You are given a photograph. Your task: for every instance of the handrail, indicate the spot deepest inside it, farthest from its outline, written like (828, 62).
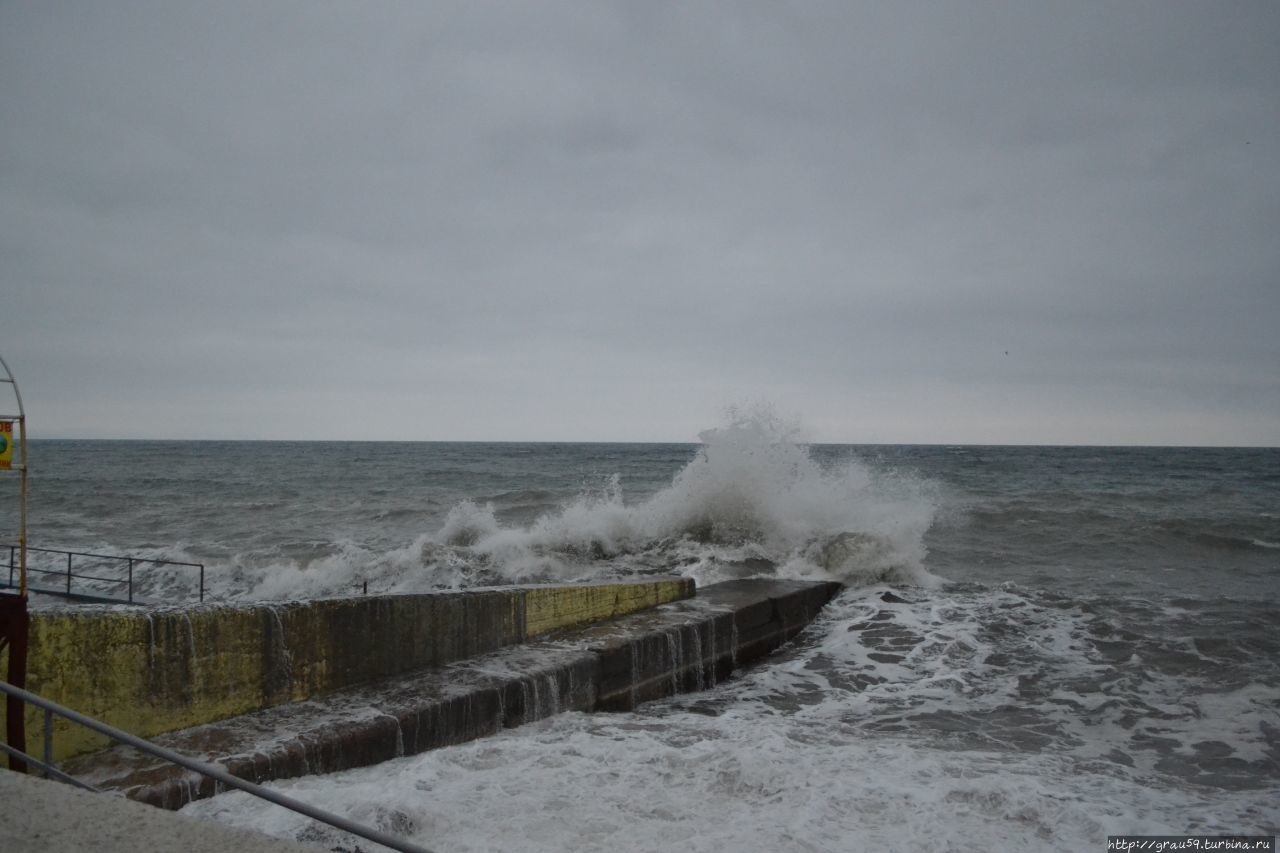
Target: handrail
(69, 575)
(49, 769)
(112, 557)
(212, 772)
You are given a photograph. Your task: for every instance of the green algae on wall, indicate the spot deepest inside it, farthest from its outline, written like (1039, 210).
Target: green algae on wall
(552, 608)
(154, 672)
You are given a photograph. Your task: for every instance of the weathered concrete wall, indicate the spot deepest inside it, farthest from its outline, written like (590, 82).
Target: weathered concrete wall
(688, 645)
(159, 671)
(684, 646)
(551, 608)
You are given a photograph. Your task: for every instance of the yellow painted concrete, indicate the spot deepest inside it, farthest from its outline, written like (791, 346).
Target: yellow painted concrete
(143, 673)
(552, 608)
(154, 672)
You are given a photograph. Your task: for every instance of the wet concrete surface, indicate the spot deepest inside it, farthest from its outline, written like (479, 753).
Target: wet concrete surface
(680, 647)
(156, 670)
(50, 817)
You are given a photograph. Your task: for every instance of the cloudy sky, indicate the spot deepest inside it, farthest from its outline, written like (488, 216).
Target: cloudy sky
(896, 222)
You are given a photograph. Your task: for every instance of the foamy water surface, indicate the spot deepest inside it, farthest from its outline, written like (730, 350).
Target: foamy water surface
(967, 720)
(1036, 646)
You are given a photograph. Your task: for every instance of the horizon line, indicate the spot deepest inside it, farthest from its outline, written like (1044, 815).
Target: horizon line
(657, 442)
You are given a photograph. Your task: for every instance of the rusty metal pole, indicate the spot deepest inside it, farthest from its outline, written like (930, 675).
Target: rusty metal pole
(14, 619)
(22, 490)
(22, 476)
(13, 633)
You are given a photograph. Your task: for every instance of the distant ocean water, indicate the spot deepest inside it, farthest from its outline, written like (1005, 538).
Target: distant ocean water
(1037, 646)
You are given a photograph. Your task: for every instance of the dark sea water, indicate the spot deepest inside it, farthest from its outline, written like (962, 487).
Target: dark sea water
(1079, 641)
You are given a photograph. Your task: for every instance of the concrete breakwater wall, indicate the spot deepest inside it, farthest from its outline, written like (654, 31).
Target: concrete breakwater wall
(150, 672)
(680, 647)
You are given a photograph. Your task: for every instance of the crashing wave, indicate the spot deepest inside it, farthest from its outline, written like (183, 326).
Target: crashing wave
(753, 501)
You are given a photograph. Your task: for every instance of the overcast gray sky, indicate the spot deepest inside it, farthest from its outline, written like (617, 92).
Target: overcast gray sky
(899, 222)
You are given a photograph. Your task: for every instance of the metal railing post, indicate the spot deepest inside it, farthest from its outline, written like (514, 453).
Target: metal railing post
(108, 576)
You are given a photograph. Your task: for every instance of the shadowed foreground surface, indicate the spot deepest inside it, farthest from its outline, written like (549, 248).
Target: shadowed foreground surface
(49, 817)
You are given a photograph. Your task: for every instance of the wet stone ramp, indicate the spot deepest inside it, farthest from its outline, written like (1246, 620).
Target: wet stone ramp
(158, 670)
(679, 647)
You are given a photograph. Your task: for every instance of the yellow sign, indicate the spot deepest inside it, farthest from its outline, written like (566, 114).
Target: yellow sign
(6, 445)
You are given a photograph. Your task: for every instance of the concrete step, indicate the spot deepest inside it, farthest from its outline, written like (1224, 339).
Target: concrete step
(680, 647)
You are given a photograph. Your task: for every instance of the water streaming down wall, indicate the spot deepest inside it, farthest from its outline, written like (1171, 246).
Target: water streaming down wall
(680, 647)
(150, 672)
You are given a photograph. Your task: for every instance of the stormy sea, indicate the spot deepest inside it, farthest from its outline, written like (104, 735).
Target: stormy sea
(1036, 647)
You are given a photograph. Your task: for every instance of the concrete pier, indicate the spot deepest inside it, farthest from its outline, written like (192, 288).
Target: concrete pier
(155, 671)
(678, 647)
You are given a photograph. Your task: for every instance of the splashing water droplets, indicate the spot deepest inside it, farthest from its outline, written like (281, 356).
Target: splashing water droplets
(752, 501)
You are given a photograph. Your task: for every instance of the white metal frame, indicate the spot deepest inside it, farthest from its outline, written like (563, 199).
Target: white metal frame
(21, 418)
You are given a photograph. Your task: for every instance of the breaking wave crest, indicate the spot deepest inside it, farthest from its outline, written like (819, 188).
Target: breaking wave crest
(752, 501)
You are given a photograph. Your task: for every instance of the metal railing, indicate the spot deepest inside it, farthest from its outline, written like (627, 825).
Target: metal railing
(215, 773)
(66, 575)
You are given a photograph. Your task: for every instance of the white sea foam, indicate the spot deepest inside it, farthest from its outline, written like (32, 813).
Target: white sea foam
(695, 783)
(752, 500)
(953, 721)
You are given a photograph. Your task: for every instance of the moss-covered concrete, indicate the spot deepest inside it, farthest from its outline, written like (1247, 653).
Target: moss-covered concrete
(616, 665)
(159, 671)
(551, 608)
